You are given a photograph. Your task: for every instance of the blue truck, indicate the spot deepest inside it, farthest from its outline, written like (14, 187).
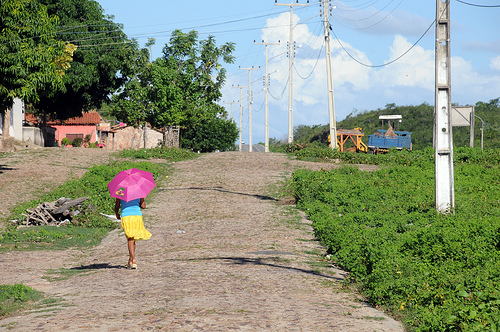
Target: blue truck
(381, 141)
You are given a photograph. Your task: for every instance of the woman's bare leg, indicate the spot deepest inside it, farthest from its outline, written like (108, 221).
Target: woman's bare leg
(131, 250)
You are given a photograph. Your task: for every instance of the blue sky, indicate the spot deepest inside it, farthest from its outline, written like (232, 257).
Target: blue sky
(374, 32)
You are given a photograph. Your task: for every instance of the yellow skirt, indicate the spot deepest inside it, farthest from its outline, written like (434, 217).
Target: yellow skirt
(133, 226)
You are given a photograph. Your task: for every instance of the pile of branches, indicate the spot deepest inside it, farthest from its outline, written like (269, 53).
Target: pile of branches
(54, 213)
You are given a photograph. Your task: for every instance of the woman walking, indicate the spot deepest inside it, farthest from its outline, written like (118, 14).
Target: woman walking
(133, 225)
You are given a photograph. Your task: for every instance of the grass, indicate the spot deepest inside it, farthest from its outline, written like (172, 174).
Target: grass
(64, 274)
(50, 238)
(16, 297)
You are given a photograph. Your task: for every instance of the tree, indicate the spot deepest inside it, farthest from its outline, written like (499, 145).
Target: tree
(210, 135)
(133, 104)
(101, 63)
(187, 79)
(31, 59)
(29, 52)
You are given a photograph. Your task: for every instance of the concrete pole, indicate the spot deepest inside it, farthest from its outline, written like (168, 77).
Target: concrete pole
(266, 143)
(331, 104)
(472, 123)
(231, 103)
(241, 111)
(250, 149)
(290, 69)
(443, 138)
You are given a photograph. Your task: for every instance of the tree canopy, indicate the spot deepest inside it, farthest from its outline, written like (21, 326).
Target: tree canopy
(181, 89)
(101, 63)
(187, 79)
(32, 59)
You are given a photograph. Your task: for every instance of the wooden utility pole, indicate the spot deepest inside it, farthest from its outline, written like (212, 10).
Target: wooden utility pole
(443, 138)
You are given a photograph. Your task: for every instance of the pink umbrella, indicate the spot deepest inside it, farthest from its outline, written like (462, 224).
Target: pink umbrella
(131, 184)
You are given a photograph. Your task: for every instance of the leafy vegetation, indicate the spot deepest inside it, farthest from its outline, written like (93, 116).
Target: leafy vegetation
(97, 70)
(29, 48)
(210, 135)
(181, 89)
(434, 272)
(14, 297)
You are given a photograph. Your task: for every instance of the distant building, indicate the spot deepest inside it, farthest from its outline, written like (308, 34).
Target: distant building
(81, 126)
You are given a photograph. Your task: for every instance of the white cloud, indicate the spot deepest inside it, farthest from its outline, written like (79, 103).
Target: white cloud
(416, 68)
(407, 81)
(495, 63)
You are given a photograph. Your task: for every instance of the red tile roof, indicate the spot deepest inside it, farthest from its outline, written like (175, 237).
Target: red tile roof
(91, 118)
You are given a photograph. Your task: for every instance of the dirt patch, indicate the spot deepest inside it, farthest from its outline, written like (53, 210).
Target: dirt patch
(27, 174)
(225, 254)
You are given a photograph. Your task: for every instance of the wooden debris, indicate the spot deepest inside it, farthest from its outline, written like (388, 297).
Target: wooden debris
(54, 213)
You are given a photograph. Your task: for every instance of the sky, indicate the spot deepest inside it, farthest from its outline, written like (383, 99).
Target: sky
(366, 36)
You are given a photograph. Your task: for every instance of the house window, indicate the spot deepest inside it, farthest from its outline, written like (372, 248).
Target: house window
(72, 137)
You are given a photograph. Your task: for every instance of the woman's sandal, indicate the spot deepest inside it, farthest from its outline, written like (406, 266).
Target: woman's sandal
(132, 266)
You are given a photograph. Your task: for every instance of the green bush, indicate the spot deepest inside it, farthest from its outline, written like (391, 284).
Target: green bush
(65, 141)
(77, 142)
(210, 135)
(434, 272)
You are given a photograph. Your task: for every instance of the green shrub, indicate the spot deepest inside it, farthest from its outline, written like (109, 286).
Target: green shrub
(434, 272)
(65, 141)
(77, 142)
(210, 135)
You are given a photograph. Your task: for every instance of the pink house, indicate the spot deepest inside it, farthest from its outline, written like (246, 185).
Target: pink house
(74, 127)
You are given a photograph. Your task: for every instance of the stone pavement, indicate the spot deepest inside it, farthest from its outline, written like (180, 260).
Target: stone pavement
(225, 255)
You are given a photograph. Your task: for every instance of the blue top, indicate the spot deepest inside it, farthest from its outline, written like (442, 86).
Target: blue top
(131, 208)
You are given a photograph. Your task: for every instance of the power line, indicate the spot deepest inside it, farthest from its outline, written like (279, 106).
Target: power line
(374, 24)
(390, 62)
(478, 5)
(314, 68)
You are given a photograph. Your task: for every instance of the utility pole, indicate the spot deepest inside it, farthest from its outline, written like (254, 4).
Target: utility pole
(443, 138)
(241, 110)
(231, 103)
(290, 67)
(250, 149)
(331, 105)
(266, 143)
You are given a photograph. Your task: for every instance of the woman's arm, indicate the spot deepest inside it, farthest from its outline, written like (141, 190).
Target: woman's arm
(142, 204)
(117, 208)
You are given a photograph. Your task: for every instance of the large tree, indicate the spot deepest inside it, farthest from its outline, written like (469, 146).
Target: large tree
(101, 63)
(133, 104)
(31, 59)
(187, 79)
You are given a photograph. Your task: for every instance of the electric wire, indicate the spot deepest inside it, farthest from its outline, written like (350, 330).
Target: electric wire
(282, 92)
(374, 24)
(385, 64)
(314, 68)
(478, 5)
